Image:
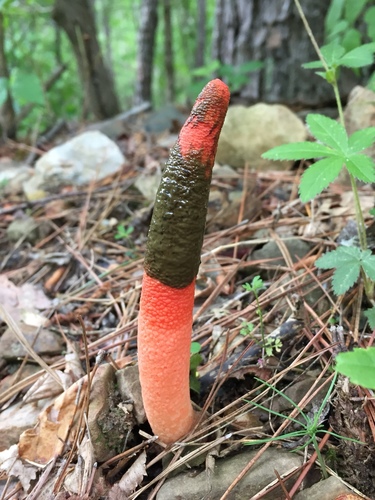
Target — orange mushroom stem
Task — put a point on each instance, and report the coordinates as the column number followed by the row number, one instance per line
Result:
column 171, row 264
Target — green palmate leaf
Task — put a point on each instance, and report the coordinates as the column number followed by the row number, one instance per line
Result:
column 368, row 264
column 332, row 53
column 348, row 262
column 359, row 366
column 362, row 167
column 370, row 315
column 362, row 139
column 313, row 65
column 318, row 177
column 298, row 151
column 357, row 58
column 345, row 277
column 328, row 131
column 341, row 256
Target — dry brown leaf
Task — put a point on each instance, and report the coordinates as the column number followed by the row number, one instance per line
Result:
column 47, row 387
column 134, row 475
column 77, row 482
column 48, row 438
column 23, row 300
column 13, row 466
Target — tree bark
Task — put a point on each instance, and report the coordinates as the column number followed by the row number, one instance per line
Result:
column 78, row 21
column 168, row 51
column 201, row 34
column 7, row 113
column 272, row 31
column 146, row 44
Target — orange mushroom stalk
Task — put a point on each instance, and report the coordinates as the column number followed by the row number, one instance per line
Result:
column 171, row 264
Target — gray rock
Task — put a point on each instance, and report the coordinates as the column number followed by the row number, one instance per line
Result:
column 360, row 113
column 249, row 132
column 188, row 486
column 25, row 229
column 296, row 247
column 87, row 157
column 102, row 385
column 130, row 390
column 166, row 118
column 12, row 176
column 18, row 418
column 329, row 489
column 43, row 342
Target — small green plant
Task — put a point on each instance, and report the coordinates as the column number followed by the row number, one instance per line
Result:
column 311, row 424
column 269, row 344
column 247, row 328
column 123, row 232
column 272, row 345
column 335, row 151
column 341, row 23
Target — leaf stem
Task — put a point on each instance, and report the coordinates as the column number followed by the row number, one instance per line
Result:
column 310, row 34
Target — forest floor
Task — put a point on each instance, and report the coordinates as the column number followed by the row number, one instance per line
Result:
column 83, row 263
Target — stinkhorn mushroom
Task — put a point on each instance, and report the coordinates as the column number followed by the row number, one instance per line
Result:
column 171, row 264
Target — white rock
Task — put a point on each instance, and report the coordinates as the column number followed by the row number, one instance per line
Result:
column 87, row 157
column 250, row 131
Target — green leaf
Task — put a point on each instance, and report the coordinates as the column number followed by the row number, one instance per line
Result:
column 362, row 139
column 26, row 88
column 318, row 176
column 194, row 383
column 195, row 361
column 357, row 58
column 362, row 167
column 368, row 264
column 333, row 15
column 347, row 261
column 353, row 9
column 339, row 28
column 352, row 39
column 342, row 256
column 328, row 131
column 195, row 347
column 298, row 151
column 345, row 277
column 358, row 365
column 370, row 315
column 313, row 65
column 370, row 20
column 332, row 53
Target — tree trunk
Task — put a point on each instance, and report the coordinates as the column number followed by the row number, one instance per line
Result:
column 146, row 44
column 78, row 21
column 201, row 34
column 272, row 31
column 168, row 51
column 7, row 114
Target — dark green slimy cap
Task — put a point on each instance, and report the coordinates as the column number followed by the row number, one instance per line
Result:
column 176, row 231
